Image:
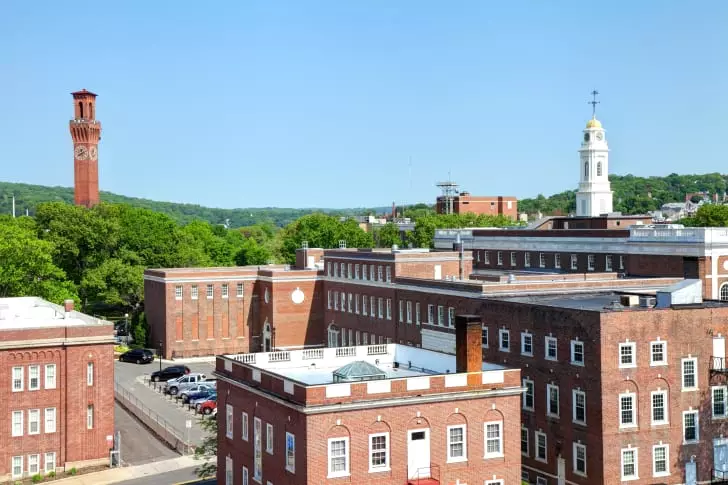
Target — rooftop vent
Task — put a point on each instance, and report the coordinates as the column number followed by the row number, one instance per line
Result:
column 358, row 371
column 629, row 300
column 614, row 306
column 647, row 301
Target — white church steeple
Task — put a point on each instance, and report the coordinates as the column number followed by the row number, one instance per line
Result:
column 594, row 196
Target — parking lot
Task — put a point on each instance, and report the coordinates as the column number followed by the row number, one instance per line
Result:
column 134, row 378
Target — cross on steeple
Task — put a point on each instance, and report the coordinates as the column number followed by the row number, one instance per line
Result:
column 594, row 102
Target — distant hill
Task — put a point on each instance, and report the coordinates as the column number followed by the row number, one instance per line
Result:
column 29, row 196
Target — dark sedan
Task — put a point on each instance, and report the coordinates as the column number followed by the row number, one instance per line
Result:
column 171, row 372
column 139, row 356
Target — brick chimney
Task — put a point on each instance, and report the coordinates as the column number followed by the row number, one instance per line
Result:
column 68, row 306
column 468, row 349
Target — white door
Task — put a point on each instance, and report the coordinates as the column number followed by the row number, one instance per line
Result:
column 438, row 272
column 561, row 471
column 719, row 352
column 691, row 473
column 418, row 453
column 720, row 458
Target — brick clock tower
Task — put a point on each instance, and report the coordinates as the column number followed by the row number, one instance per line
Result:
column 86, row 133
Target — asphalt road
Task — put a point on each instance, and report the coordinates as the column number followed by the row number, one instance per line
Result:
column 138, row 444
column 185, row 475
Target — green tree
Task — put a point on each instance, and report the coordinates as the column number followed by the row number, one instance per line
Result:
column 207, row 450
column 388, row 235
column 424, row 233
column 708, row 215
column 321, row 231
column 252, row 253
column 116, row 283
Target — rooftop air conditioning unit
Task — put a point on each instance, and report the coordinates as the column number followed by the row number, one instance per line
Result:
column 648, row 301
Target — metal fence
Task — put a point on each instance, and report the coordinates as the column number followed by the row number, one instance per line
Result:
column 171, row 435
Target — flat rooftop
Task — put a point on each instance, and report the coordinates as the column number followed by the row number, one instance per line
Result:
column 35, row 312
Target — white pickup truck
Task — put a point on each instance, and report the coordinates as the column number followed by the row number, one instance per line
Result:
column 175, row 386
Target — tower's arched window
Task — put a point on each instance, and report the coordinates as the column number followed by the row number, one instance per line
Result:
column 586, row 170
column 80, row 109
column 91, row 111
column 724, row 292
column 599, row 169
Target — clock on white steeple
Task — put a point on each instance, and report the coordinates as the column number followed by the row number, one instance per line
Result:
column 594, row 196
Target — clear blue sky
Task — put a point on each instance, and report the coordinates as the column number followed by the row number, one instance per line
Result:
column 323, row 103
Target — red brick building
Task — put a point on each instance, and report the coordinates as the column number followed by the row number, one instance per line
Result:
column 486, row 205
column 377, row 414
column 58, row 368
column 86, row 133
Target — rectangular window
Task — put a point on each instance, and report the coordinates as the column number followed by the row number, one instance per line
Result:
column 590, row 262
column 551, row 348
column 660, row 464
column 33, row 421
column 364, row 305
column 629, row 464
column 524, row 441
column 450, row 317
column 627, row 410
column 372, row 305
column 456, row 443
column 541, row 447
column 658, row 353
column 577, row 352
column 50, row 420
column 349, row 272
column 178, row 292
column 336, row 300
column 441, row 315
column 486, row 257
column 409, row 311
column 50, row 462
column 379, row 274
column 527, row 344
column 493, row 439
column 528, row 394
column 364, row 272
column 557, row 260
column 338, row 457
column 365, row 338
column 269, row 438
column 89, row 373
column 401, row 310
column 358, row 337
column 608, row 262
column 50, row 376
column 499, row 256
column 542, row 260
column 574, row 264
column 229, row 421
column 627, row 357
column 689, row 374
column 209, row 292
column 228, row 470
column 257, row 450
column 244, row 431
column 335, row 266
column 350, row 302
column 17, row 466
column 291, row 440
column 719, row 401
column 380, row 308
column 343, row 270
column 484, row 337
column 431, row 314
column 90, row 416
column 579, row 459
column 552, row 396
column 378, row 452
column 579, row 410
column 17, row 423
column 17, row 379
column 690, row 426
column 504, row 337
column 343, row 301
column 621, row 262
column 33, row 464
column 225, row 293
column 389, row 274
column 389, row 308
column 328, row 300
column 33, row 377
column 194, row 292
column 356, row 271
column 527, row 259
column 513, row 258
column 239, row 290
column 417, row 313
column 356, row 303
column 245, row 472
column 371, row 273
column 659, row 407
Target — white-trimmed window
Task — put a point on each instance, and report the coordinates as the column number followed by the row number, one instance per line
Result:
column 504, row 340
column 441, row 315
column 486, row 257
column 245, row 472
column 50, row 462
column 229, row 421
column 494, row 482
column 660, row 460
column 90, row 416
column 379, row 274
column 336, row 300
column 551, row 348
column 33, row 377
column 590, row 259
column 627, row 354
column 690, row 427
column 557, row 260
column 417, row 313
column 577, row 352
column 33, row 464
column 528, row 395
column 689, row 374
column 356, row 303
column 343, row 270
column 17, row 379
column 401, row 310
column 228, row 470
column 50, row 420
column 349, row 272
column 258, row 446
column 527, row 259
column 409, row 311
column 338, row 457
column 17, row 429
column 450, row 317
column 608, row 262
column 378, row 452
column 579, row 406
column 372, row 306
column 194, row 292
column 629, row 464
column 239, row 290
column 658, row 353
column 621, row 262
column 542, row 260
column 527, row 344
column 574, row 262
column 364, row 272
column 244, row 423
column 579, row 459
column 552, row 400
column 524, row 441
column 225, row 290
column 627, row 410
column 541, row 447
column 431, row 314
column 484, row 336
column 493, row 439
column 89, row 373
column 380, row 308
column 499, row 257
column 291, row 439
column 50, row 376
column 457, row 443
column 210, row 292
column 659, row 405
column 371, row 273
column 364, row 305
column 389, row 308
column 389, row 274
column 343, row 301
column 350, row 302
column 513, row 258
column 269, row 436
column 356, row 271
column 17, row 470
column 178, row 292
column 33, row 421
column 719, row 401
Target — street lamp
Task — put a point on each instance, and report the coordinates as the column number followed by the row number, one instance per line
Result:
column 126, row 325
column 160, row 356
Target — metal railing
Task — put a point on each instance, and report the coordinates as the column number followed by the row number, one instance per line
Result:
column 431, row 472
column 171, row 435
column 718, row 477
column 718, row 364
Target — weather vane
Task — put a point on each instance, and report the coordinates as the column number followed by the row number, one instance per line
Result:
column 594, row 102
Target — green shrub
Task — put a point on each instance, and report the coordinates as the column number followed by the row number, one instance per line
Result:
column 37, row 478
column 72, row 471
column 120, row 348
column 51, row 474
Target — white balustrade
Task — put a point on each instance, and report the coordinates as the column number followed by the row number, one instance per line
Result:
column 377, row 349
column 310, row 354
column 345, row 351
column 279, row 356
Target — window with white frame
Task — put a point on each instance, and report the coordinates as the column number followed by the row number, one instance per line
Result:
column 660, row 461
column 17, row 379
column 719, row 401
column 658, row 353
column 239, row 290
column 574, row 262
column 257, row 449
column 689, row 374
column 225, row 291
column 336, row 300
column 33, row 464
column 486, row 257
column 494, row 482
column 371, row 273
column 552, row 399
column 389, row 274
column 378, row 452
column 90, row 416
column 409, row 311
column 417, row 313
column 338, row 457
column 608, row 262
column 527, row 259
column 659, row 407
column 33, row 421
column 350, row 302
column 579, row 406
column 245, row 474
column 33, row 377
column 577, row 352
column 493, row 439
column 629, row 464
column 527, row 344
column 389, row 308
column 365, row 338
column 343, row 270
column 178, row 292
column 372, row 305
column 431, row 314
column 343, row 301
column 356, row 303
column 269, row 436
column 209, row 292
column 456, row 443
column 364, row 305
column 450, row 317
column 291, row 442
column 379, row 274
column 244, row 426
column 441, row 315
column 358, row 337
column 541, row 450
column 380, row 308
column 690, row 426
column 627, row 410
column 590, row 262
column 504, row 340
column 50, row 420
column 621, row 262
column 401, row 310
column 349, row 271
column 499, row 257
column 17, row 470
column 89, row 373
column 484, row 336
column 579, row 459
column 50, row 376
column 50, row 462
column 228, row 470
column 551, row 346
column 557, row 260
column 524, row 441
column 194, row 292
column 229, row 421
column 528, row 395
column 513, row 258
column 627, row 357
column 541, row 481
column 17, row 428
column 542, row 260
column 356, row 271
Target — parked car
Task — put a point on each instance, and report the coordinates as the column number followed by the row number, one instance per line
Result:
column 181, row 384
column 139, row 356
column 208, row 406
column 196, row 392
column 171, row 372
column 197, row 403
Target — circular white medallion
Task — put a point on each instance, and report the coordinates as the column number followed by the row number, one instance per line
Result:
column 266, row 296
column 297, row 296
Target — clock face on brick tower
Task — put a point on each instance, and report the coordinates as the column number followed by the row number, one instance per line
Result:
column 81, row 152
column 93, row 153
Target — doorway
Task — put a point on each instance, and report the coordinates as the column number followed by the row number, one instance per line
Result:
column 418, row 453
column 720, row 458
column 561, row 470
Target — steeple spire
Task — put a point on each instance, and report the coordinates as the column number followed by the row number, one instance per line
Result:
column 594, row 103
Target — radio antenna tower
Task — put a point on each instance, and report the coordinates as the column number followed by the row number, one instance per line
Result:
column 449, row 191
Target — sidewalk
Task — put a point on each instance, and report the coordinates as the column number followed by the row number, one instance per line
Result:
column 115, row 475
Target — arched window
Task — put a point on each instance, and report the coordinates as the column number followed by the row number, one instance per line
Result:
column 599, row 169
column 80, row 109
column 586, row 170
column 91, row 111
column 724, row 292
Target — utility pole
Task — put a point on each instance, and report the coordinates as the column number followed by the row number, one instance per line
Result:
column 13, row 206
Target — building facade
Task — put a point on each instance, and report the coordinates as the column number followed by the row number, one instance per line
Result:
column 485, row 205
column 86, row 133
column 58, row 368
column 594, row 196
